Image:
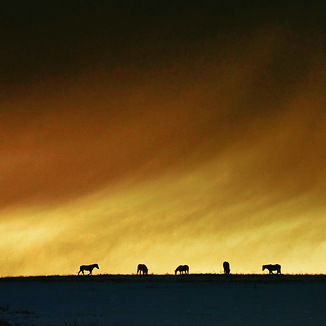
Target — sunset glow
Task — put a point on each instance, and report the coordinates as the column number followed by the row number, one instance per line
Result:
column 189, row 149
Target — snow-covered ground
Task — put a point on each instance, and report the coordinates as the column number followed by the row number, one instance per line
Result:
column 204, row 299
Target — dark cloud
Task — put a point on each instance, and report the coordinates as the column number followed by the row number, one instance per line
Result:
column 67, row 136
column 46, row 40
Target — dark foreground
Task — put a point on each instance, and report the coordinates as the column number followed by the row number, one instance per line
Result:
column 204, row 299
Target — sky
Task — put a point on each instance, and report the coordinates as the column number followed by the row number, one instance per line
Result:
column 162, row 133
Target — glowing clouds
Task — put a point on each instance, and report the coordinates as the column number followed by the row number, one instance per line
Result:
column 199, row 215
column 213, row 156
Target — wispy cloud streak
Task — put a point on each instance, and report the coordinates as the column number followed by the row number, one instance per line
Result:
column 210, row 151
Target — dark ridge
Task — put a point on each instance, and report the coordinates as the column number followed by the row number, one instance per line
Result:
column 192, row 278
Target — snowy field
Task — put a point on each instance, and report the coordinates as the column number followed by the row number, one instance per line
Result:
column 204, row 299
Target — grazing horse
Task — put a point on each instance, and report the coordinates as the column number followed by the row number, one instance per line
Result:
column 142, row 269
column 182, row 269
column 272, row 268
column 87, row 268
column 226, row 267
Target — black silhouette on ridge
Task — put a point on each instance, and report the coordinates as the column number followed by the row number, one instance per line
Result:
column 142, row 269
column 272, row 268
column 182, row 269
column 226, row 267
column 87, row 268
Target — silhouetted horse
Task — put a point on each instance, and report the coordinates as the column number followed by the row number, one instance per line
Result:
column 272, row 268
column 87, row 268
column 182, row 269
column 226, row 267
column 142, row 269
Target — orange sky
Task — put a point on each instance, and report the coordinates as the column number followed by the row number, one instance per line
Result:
column 171, row 142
